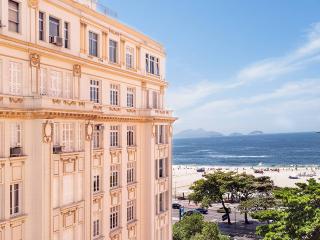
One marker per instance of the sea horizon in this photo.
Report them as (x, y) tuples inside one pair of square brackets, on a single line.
[(300, 149)]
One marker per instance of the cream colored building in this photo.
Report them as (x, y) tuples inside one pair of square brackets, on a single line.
[(85, 138)]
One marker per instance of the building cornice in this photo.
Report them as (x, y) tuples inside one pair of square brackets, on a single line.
[(73, 115)]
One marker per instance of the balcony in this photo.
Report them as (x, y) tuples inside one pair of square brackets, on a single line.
[(98, 7)]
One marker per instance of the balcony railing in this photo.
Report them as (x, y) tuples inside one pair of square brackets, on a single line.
[(97, 6)]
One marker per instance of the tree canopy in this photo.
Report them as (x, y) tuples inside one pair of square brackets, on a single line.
[(295, 217), (194, 227)]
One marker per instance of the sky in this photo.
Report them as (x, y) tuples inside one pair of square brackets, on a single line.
[(236, 65)]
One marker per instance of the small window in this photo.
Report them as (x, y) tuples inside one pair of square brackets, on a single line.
[(96, 183), (93, 44), (114, 95), (41, 26), (54, 28), (130, 136), (114, 136), (131, 210), (114, 217), (66, 35), (13, 18), (152, 65), (113, 56), (131, 172), (114, 176), (94, 91), (129, 57), (15, 199), (96, 228), (130, 97), (97, 136)]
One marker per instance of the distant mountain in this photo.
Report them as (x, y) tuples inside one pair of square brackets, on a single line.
[(256, 133), (235, 134), (197, 133)]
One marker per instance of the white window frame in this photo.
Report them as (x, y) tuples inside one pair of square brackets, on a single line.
[(15, 204), (67, 140), (131, 172), (114, 217), (131, 210), (95, 91), (131, 136), (16, 21), (115, 176), (55, 83), (15, 78), (152, 64), (97, 136), (96, 228), (93, 44), (114, 136), (42, 26), (129, 57), (16, 134), (113, 51), (96, 183), (130, 97), (114, 95)]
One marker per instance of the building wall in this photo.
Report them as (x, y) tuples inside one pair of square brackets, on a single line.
[(75, 162)]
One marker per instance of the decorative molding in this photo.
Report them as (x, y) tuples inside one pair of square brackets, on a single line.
[(34, 60), (15, 99), (77, 70), (115, 109), (69, 102), (47, 132), (33, 3)]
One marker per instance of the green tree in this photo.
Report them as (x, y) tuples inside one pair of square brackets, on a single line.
[(250, 189), (194, 227), (212, 188), (296, 217)]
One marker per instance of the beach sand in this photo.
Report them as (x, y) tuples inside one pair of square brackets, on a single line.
[(185, 175)]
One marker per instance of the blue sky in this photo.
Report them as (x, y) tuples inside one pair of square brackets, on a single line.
[(236, 66)]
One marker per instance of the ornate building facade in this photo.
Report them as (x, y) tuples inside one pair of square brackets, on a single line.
[(85, 138)]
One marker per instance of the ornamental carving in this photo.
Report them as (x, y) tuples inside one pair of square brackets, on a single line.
[(47, 132), (77, 70), (33, 3), (34, 60)]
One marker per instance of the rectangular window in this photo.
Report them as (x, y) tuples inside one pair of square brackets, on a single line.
[(96, 228), (54, 28), (68, 137), (113, 48), (114, 176), (152, 64), (161, 134), (96, 183), (130, 136), (114, 95), (41, 26), (94, 91), (15, 201), (163, 202), (16, 135), (131, 172), (129, 57), (114, 217), (56, 83), (15, 82), (66, 35), (130, 97), (56, 134), (114, 136), (161, 168), (13, 16), (93, 44), (97, 136), (131, 210)]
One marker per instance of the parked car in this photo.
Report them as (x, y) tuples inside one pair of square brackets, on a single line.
[(176, 205), (190, 212), (202, 210)]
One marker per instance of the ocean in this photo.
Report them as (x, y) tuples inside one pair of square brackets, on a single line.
[(267, 150)]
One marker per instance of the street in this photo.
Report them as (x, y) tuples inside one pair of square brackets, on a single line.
[(238, 230)]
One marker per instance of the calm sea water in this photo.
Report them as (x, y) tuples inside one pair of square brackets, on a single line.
[(266, 150)]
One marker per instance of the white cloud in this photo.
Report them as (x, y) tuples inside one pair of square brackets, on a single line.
[(188, 98)]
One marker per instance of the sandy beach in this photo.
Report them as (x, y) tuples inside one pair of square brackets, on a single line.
[(185, 175)]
